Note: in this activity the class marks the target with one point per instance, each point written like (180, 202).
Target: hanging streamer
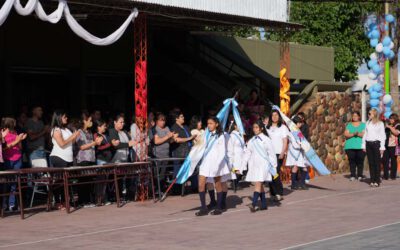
(5, 10)
(28, 9)
(55, 17)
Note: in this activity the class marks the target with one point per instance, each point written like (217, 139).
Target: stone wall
(327, 115)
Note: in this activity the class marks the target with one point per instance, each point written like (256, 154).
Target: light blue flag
(237, 118)
(198, 151)
(309, 152)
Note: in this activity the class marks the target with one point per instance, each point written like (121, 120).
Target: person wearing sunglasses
(373, 143)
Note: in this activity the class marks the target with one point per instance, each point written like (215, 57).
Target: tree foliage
(334, 24)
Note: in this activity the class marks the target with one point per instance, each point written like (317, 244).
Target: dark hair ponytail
(261, 125)
(219, 130)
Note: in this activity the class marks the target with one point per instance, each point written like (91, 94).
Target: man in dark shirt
(182, 139)
(37, 133)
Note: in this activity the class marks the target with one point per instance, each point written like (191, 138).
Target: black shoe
(303, 187)
(263, 208)
(216, 212)
(201, 212)
(252, 208)
(294, 187)
(223, 206)
(212, 205)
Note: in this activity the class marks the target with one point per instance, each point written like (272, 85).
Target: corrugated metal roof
(274, 10)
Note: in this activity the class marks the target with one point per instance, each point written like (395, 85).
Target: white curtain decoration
(81, 32)
(5, 10)
(55, 17)
(27, 10)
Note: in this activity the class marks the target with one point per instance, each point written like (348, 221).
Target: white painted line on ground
(111, 230)
(175, 220)
(341, 236)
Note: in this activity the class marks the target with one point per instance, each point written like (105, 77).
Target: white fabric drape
(28, 9)
(55, 17)
(81, 32)
(5, 10)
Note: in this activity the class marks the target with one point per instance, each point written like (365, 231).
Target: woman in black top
(118, 134)
(103, 156)
(392, 131)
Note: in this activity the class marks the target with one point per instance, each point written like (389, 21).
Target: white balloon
(391, 46)
(372, 76)
(379, 48)
(373, 56)
(386, 99)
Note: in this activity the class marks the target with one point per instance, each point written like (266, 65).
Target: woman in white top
(278, 132)
(61, 155)
(213, 164)
(196, 129)
(373, 143)
(62, 138)
(260, 157)
(295, 157)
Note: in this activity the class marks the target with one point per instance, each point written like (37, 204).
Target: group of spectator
(377, 139)
(90, 140)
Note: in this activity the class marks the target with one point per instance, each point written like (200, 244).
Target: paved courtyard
(333, 214)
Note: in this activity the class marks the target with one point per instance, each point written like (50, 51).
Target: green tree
(337, 25)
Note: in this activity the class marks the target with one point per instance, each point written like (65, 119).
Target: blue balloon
(375, 95)
(386, 51)
(391, 55)
(388, 109)
(373, 26)
(388, 114)
(389, 18)
(372, 63)
(375, 34)
(386, 41)
(386, 27)
(377, 87)
(377, 69)
(373, 42)
(374, 102)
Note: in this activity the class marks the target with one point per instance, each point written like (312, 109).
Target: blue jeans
(12, 165)
(37, 154)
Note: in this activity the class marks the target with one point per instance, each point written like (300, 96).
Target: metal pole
(364, 104)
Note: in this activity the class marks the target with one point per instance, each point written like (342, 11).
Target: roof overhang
(192, 12)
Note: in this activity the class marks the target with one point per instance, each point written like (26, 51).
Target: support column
(140, 53)
(284, 75)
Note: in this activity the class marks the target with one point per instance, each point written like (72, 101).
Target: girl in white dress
(260, 157)
(213, 165)
(296, 158)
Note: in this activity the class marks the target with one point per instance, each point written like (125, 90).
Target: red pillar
(140, 53)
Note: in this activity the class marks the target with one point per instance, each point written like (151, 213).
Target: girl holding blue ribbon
(296, 158)
(213, 164)
(260, 157)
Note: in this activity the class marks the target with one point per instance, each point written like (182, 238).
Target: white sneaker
(360, 178)
(307, 181)
(372, 184)
(278, 197)
(376, 184)
(352, 179)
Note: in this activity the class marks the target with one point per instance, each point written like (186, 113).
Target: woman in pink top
(12, 154)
